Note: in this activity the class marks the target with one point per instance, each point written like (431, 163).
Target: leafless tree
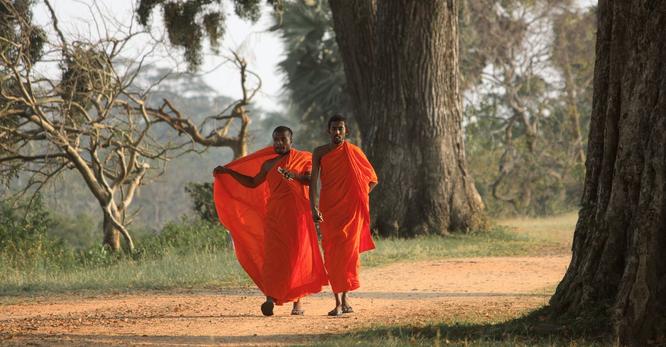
(93, 119)
(523, 54)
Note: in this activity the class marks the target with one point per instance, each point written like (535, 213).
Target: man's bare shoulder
(321, 150)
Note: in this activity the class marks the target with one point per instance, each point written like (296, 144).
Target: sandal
(335, 313)
(267, 308)
(347, 309)
(297, 312)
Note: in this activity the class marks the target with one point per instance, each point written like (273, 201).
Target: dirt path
(399, 293)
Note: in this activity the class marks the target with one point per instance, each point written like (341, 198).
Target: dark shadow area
(127, 340)
(536, 328)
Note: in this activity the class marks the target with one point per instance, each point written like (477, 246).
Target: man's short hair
(283, 128)
(337, 118)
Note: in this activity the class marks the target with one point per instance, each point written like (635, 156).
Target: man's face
(337, 130)
(281, 142)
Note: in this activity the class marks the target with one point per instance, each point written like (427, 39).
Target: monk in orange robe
(347, 177)
(262, 199)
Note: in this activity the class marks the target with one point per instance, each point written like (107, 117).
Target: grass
(499, 242)
(514, 237)
(182, 257)
(532, 329)
(510, 238)
(558, 229)
(194, 270)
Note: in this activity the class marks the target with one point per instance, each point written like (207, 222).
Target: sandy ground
(414, 293)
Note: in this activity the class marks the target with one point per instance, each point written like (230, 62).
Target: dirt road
(413, 293)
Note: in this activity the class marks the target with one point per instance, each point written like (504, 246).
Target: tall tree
(526, 71)
(401, 63)
(620, 237)
(94, 119)
(401, 67)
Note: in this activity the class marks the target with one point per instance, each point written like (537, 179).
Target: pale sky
(262, 49)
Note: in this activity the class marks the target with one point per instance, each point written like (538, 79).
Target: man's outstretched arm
(247, 181)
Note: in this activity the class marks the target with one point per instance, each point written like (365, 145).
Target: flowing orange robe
(271, 226)
(344, 203)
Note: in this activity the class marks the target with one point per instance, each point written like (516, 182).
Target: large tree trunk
(111, 233)
(621, 233)
(401, 64)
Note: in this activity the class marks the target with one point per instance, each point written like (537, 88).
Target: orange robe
(344, 203)
(271, 226)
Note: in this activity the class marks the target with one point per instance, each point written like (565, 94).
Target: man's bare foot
(267, 307)
(346, 307)
(298, 309)
(336, 312)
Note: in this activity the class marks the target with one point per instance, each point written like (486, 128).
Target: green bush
(189, 235)
(31, 238)
(202, 200)
(24, 239)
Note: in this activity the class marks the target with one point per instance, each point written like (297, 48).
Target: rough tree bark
(111, 233)
(401, 64)
(618, 259)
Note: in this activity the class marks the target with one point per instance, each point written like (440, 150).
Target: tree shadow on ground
(535, 328)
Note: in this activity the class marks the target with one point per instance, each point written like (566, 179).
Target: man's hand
(220, 170)
(317, 216)
(288, 175)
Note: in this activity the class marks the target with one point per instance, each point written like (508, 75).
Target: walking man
(342, 210)
(262, 199)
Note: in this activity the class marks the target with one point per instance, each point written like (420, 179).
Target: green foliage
(34, 259)
(183, 29)
(23, 234)
(201, 195)
(519, 128)
(195, 253)
(248, 9)
(314, 69)
(313, 66)
(183, 254)
(15, 24)
(574, 43)
(189, 21)
(526, 124)
(190, 235)
(512, 180)
(213, 24)
(87, 74)
(15, 19)
(81, 231)
(145, 9)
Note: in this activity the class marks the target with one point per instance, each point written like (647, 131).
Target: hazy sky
(262, 49)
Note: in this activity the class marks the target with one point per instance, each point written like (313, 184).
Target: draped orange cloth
(344, 203)
(271, 226)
